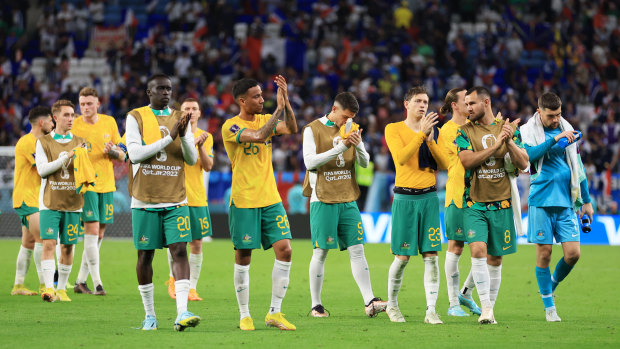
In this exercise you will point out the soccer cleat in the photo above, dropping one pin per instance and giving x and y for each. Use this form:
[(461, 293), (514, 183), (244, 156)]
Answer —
[(278, 320), (246, 324), (171, 291), (81, 288), (62, 296), (375, 306), (432, 318), (394, 314), (319, 311), (552, 315), (149, 323), (487, 317), (193, 295), (49, 295), (470, 304), (185, 320), (99, 291), (456, 311), (21, 290), (41, 288)]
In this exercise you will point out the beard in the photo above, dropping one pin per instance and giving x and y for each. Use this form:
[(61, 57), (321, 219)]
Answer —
[(476, 116)]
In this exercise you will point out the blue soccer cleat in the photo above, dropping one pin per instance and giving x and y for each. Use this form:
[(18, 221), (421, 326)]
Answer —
[(470, 304), (149, 323), (185, 320), (456, 311)]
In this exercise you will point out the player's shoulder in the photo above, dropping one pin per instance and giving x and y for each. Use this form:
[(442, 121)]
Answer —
[(26, 141), (106, 118), (232, 125), (394, 126)]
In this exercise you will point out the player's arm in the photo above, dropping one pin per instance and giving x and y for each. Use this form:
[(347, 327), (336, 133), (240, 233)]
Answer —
[(439, 154), (190, 154), (136, 151), (312, 160), (205, 159), (403, 152), (263, 133), (44, 166), (471, 159), (289, 125), (361, 155), (518, 155)]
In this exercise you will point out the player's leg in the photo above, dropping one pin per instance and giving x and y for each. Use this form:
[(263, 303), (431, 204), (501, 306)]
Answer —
[(22, 264), (49, 226), (404, 244), (35, 231), (540, 232), (477, 231), (201, 227), (147, 236), (276, 233), (69, 233), (177, 230), (456, 238), (170, 281), (567, 233), (323, 235), (244, 225), (106, 216)]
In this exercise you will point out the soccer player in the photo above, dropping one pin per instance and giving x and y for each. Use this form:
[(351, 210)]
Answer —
[(335, 219), (59, 203), (159, 211), (488, 220), (200, 219), (27, 183), (101, 134), (256, 213), (454, 103), (415, 209), (558, 187)]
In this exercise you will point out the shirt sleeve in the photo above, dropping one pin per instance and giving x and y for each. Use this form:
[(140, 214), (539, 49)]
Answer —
[(538, 151), (138, 152), (209, 145), (362, 156), (312, 160), (44, 167), (462, 142), (402, 152), (190, 154), (231, 132)]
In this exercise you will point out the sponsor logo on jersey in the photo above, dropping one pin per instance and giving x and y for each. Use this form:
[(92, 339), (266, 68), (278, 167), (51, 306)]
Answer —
[(234, 128)]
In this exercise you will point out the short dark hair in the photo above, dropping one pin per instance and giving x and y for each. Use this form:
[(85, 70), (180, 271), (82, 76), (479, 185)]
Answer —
[(242, 86), (61, 103), (482, 92), (156, 76), (451, 97), (549, 100), (347, 101), (416, 90), (38, 112)]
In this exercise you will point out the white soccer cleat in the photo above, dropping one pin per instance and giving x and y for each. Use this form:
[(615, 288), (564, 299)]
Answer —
[(552, 315), (394, 314), (432, 318), (487, 317)]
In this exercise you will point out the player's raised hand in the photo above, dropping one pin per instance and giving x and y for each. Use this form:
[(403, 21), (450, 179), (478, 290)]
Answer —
[(570, 136), (282, 94), (354, 138), (427, 122), (200, 140)]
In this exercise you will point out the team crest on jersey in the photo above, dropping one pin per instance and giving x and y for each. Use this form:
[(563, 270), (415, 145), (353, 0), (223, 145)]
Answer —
[(50, 231), (540, 235), (330, 240), (89, 213), (471, 234), (459, 231), (143, 239), (234, 128), (405, 245), (247, 238)]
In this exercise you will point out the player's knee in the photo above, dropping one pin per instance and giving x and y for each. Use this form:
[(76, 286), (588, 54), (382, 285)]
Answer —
[(356, 251), (285, 252), (572, 257)]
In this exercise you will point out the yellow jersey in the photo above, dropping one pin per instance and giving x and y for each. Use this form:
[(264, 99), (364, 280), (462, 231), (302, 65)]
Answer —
[(97, 135), (26, 179), (253, 181), (194, 182), (403, 142), (456, 172)]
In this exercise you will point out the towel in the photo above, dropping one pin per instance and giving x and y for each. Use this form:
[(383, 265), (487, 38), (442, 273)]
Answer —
[(533, 134), (84, 172), (512, 172), (425, 157)]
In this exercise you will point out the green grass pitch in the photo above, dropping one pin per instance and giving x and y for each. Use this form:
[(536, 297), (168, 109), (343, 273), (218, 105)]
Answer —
[(587, 303)]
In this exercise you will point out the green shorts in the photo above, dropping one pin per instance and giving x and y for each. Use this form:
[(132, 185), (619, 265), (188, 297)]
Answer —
[(55, 223), (331, 222), (200, 221), (495, 228), (454, 223), (24, 212), (251, 227), (159, 228), (98, 207), (415, 224)]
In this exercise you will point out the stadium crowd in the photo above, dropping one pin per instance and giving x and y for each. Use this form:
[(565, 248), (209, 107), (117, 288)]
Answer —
[(375, 49)]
